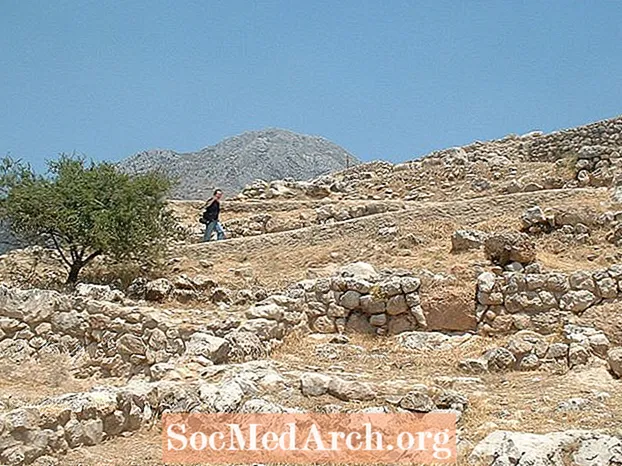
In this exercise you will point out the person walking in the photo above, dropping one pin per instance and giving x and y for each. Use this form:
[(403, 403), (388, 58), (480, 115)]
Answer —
[(210, 217)]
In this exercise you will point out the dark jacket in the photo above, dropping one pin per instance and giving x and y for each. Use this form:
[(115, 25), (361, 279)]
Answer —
[(212, 211)]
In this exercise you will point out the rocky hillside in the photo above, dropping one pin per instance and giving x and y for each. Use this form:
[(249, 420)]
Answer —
[(482, 282), (589, 155), (234, 162)]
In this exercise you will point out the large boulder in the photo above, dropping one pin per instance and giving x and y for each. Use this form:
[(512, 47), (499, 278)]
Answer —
[(265, 310), (215, 349), (245, 346), (577, 301), (98, 292), (614, 358), (361, 270), (417, 401), (225, 398), (71, 323), (535, 220), (486, 282), (397, 305), (347, 390), (158, 290), (504, 248), (350, 299), (129, 344), (533, 216), (314, 384), (265, 329), (500, 359), (448, 307), (606, 317), (30, 306), (467, 240), (358, 323)]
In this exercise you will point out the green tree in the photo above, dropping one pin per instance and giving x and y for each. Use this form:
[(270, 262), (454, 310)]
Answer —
[(85, 210)]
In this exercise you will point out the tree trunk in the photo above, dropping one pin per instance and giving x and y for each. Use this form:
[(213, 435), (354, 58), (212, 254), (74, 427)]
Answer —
[(74, 271)]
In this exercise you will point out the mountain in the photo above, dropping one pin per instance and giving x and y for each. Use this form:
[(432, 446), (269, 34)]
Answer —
[(236, 161)]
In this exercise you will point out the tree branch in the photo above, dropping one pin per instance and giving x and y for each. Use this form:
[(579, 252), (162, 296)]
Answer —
[(92, 256), (59, 249)]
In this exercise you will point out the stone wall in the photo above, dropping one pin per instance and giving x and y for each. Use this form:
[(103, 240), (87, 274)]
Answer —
[(262, 223), (542, 302), (55, 425), (361, 300), (108, 335), (119, 339), (115, 339), (538, 147), (527, 350), (69, 421), (550, 147), (252, 218), (329, 213), (284, 189)]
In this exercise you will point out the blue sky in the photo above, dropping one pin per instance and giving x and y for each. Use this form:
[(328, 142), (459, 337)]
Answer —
[(385, 79)]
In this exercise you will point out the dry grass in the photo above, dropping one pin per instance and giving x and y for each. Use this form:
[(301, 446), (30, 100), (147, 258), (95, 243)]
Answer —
[(377, 359), (276, 267), (142, 448), (515, 401), (526, 401), (499, 223), (31, 381)]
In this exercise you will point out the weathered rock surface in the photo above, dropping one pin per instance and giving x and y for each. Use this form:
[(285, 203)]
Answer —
[(466, 240), (544, 302), (614, 358), (504, 248), (583, 448)]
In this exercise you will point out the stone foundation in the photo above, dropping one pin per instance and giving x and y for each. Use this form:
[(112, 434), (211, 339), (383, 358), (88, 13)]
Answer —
[(527, 350), (114, 339), (361, 300), (542, 302)]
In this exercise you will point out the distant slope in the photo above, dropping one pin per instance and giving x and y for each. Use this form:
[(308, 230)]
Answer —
[(234, 162)]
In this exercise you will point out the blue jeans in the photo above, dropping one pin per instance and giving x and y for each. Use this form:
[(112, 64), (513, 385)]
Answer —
[(209, 230)]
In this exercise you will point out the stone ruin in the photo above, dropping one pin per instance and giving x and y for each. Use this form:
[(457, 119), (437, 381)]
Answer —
[(107, 334), (591, 154), (361, 300), (543, 302), (527, 350), (59, 423), (288, 188)]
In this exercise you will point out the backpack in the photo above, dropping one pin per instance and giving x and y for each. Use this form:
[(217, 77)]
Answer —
[(203, 219)]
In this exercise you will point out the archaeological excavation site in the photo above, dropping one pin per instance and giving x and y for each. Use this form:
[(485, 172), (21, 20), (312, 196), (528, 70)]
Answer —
[(483, 281)]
